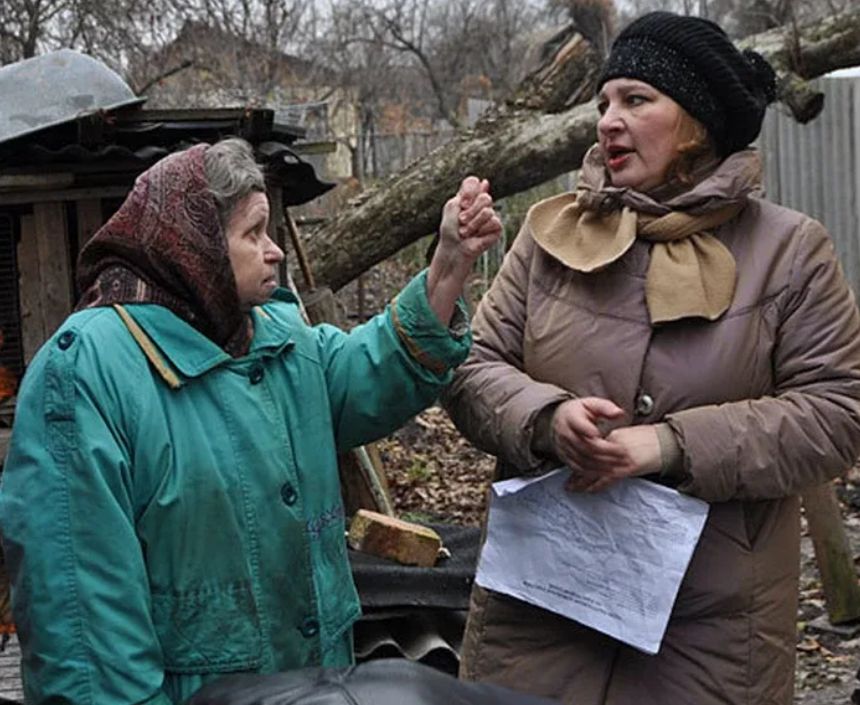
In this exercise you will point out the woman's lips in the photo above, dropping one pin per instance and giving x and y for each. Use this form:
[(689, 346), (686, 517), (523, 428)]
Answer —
[(618, 160)]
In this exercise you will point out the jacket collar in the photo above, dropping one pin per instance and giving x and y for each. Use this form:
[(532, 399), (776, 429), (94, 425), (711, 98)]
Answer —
[(733, 180), (192, 354)]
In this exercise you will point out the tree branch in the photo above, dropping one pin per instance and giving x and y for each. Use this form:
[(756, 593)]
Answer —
[(188, 63), (518, 146)]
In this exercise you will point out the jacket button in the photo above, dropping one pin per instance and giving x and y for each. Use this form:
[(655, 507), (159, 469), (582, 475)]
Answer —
[(309, 628), (288, 494), (256, 374), (644, 405), (64, 342)]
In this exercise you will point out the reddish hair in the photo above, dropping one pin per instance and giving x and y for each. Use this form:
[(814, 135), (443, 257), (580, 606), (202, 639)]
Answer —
[(694, 144)]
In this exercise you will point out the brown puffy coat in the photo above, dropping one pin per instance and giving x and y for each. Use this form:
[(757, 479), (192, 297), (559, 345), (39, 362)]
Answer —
[(764, 401)]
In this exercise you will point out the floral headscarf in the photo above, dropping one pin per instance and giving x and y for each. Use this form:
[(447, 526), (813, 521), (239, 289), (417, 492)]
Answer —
[(165, 246)]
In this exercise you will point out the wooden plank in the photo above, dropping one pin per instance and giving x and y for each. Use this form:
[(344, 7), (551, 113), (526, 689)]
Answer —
[(127, 163), (179, 115), (277, 229), (322, 147), (27, 197), (301, 255), (89, 219), (832, 554), (30, 290), (40, 180), (54, 264), (5, 437)]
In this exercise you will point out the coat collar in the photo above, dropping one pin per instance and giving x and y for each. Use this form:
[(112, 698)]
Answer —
[(192, 354)]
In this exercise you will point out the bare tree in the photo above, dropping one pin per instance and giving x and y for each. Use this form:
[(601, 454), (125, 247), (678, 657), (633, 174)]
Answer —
[(454, 48), (595, 20), (217, 50), (107, 29)]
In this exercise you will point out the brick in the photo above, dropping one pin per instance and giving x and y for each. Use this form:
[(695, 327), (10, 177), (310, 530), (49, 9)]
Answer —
[(398, 540)]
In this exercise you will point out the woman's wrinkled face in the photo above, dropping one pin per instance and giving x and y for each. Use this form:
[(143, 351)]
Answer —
[(254, 257), (638, 133)]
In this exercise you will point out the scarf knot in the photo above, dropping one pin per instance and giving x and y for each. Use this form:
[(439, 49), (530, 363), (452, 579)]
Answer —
[(690, 272)]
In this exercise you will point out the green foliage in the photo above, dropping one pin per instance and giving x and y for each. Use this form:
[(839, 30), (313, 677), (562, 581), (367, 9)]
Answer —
[(424, 518), (418, 470)]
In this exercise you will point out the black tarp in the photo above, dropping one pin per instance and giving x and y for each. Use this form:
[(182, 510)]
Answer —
[(384, 584)]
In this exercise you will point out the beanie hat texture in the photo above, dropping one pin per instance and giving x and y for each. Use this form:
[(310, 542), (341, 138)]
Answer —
[(693, 61)]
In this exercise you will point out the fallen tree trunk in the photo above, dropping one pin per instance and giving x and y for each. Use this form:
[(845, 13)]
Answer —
[(537, 137)]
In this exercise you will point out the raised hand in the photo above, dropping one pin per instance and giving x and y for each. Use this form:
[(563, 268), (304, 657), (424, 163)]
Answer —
[(469, 224), (469, 227)]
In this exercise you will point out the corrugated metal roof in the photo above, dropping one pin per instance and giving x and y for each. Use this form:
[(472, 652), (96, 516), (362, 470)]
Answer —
[(433, 637), (79, 154), (11, 688)]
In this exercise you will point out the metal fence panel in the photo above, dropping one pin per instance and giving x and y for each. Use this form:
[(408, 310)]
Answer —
[(814, 168)]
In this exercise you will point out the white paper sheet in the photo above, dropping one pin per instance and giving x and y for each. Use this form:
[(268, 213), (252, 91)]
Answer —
[(612, 561)]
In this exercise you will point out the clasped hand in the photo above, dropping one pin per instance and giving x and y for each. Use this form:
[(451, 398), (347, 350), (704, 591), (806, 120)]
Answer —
[(599, 459), (469, 227), (469, 223)]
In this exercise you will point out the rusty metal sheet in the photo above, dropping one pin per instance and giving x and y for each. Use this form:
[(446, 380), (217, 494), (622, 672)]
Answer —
[(56, 88)]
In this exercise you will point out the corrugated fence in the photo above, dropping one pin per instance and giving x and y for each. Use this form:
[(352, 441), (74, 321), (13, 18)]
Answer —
[(814, 168)]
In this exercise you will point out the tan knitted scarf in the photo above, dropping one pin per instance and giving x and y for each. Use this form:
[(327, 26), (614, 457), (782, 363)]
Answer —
[(691, 273)]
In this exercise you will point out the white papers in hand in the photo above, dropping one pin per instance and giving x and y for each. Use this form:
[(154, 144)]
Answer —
[(612, 561)]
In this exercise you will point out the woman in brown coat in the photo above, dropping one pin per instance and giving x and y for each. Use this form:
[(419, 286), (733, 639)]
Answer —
[(666, 321)]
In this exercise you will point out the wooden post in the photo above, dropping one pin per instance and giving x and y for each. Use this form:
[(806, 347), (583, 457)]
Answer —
[(319, 302), (44, 269), (52, 245), (322, 306), (299, 249), (276, 228), (32, 320), (359, 292), (832, 554), (89, 219)]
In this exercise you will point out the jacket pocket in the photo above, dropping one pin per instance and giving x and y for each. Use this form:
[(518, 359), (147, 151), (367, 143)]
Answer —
[(209, 630)]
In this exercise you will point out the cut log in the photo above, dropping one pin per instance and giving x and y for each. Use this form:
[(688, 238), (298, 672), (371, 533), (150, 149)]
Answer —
[(395, 539)]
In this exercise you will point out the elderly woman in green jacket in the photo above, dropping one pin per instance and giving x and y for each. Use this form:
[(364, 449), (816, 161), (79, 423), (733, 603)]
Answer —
[(170, 502)]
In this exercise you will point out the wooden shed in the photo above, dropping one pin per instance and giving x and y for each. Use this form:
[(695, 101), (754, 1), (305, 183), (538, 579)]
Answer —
[(73, 139)]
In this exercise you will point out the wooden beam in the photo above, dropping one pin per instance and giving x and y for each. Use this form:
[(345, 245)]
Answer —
[(832, 554), (27, 197), (325, 147), (89, 219), (52, 243), (5, 437), (179, 115), (29, 283), (40, 180), (131, 165)]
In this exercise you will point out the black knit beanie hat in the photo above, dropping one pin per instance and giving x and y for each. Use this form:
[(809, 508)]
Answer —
[(693, 61)]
